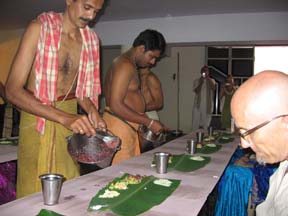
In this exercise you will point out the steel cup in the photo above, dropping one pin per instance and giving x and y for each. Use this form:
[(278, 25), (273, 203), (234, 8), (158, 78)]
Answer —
[(51, 188), (191, 146), (199, 136), (161, 160), (210, 131)]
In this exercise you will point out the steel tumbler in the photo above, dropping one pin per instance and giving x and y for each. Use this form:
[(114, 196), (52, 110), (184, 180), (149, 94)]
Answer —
[(51, 188), (161, 160)]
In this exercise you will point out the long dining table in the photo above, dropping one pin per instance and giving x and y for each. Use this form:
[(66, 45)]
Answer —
[(187, 199), (8, 153)]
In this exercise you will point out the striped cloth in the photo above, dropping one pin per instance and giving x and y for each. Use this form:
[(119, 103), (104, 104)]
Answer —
[(46, 63)]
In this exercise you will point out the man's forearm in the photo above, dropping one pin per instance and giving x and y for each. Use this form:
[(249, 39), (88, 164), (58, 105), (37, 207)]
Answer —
[(27, 102), (153, 106), (87, 105), (128, 114)]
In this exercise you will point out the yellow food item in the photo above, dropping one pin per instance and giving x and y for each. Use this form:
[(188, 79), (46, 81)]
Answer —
[(121, 185), (134, 179)]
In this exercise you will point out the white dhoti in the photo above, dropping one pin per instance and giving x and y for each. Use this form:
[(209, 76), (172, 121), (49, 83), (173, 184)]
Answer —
[(153, 115), (203, 106)]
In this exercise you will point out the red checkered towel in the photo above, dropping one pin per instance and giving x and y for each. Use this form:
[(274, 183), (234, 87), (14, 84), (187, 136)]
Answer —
[(46, 65)]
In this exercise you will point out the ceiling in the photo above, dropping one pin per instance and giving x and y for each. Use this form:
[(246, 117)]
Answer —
[(17, 13)]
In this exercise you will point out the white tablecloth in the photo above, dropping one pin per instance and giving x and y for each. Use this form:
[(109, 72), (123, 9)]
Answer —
[(187, 199), (8, 153)]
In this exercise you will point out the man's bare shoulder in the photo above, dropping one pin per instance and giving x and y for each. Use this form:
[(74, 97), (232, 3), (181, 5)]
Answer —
[(152, 75), (35, 24), (122, 63), (122, 59), (33, 29), (153, 78)]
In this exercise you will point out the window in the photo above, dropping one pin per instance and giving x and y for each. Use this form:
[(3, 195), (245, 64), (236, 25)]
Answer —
[(224, 60), (238, 61)]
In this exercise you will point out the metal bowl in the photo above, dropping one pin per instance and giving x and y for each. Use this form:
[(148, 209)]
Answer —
[(98, 150), (149, 140)]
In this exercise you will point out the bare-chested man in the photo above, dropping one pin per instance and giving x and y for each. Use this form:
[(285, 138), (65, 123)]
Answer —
[(57, 60), (125, 103)]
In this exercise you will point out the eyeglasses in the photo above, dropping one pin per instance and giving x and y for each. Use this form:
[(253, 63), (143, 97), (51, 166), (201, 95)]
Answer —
[(252, 130)]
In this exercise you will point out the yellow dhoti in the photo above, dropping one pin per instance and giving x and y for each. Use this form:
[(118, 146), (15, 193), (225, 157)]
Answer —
[(129, 137), (39, 154)]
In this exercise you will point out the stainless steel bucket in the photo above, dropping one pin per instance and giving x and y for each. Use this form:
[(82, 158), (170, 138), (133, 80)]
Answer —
[(98, 150)]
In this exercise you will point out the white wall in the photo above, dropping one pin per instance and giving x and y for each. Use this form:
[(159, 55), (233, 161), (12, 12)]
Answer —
[(187, 65), (200, 28)]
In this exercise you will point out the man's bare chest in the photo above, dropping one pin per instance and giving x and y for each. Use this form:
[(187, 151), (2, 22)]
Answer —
[(135, 83), (69, 55)]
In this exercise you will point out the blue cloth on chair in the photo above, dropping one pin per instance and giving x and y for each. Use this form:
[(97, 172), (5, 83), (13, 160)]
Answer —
[(233, 191), (236, 155)]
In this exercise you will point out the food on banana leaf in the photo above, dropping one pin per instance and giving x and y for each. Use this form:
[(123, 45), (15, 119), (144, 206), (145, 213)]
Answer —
[(134, 179), (170, 159), (163, 182), (209, 138), (109, 194), (211, 145), (197, 158), (121, 185)]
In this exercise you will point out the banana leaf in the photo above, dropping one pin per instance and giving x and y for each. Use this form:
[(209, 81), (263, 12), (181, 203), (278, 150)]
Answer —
[(45, 212), (184, 163), (225, 139), (208, 139), (217, 135), (206, 149), (9, 141), (136, 199), (228, 134)]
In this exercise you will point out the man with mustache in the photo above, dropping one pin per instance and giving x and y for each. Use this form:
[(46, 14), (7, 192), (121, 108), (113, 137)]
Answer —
[(125, 104), (260, 110), (56, 67)]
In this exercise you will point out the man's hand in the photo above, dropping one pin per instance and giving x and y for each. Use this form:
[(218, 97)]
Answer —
[(80, 124), (94, 117), (96, 120), (156, 127)]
